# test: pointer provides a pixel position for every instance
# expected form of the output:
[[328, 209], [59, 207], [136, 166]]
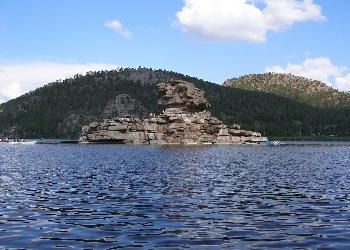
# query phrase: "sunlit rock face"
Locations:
[[185, 119], [183, 95]]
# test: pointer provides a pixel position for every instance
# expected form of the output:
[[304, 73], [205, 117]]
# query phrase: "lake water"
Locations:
[[215, 197]]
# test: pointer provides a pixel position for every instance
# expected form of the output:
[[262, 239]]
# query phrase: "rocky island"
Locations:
[[185, 119]]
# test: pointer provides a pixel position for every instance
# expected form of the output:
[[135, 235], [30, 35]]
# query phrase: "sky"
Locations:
[[45, 40]]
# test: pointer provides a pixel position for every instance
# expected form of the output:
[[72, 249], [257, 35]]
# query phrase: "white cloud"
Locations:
[[343, 82], [250, 20], [119, 28], [9, 91], [21, 77], [321, 69]]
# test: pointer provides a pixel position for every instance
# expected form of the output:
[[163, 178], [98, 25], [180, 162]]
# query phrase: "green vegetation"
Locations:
[[60, 109], [314, 93]]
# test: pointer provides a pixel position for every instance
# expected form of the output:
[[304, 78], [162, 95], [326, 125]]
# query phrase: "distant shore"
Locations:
[[309, 138]]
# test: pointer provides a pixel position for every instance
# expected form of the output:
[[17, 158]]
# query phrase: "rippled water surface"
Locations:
[[70, 196]]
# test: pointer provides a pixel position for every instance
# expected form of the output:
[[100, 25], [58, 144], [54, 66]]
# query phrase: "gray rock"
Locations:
[[184, 120], [174, 94], [124, 106]]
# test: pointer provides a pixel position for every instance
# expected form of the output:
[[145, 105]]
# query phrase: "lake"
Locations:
[[169, 197]]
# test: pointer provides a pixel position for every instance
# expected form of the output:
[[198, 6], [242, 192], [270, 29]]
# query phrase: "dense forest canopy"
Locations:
[[311, 92], [60, 109]]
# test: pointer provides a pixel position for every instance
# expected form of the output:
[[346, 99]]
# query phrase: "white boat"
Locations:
[[275, 143], [22, 143]]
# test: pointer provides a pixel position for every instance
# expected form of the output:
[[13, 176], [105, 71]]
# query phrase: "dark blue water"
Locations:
[[70, 196]]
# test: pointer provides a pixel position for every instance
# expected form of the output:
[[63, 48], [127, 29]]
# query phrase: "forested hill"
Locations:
[[298, 88], [59, 109]]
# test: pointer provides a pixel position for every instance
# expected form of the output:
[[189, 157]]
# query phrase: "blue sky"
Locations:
[[66, 32]]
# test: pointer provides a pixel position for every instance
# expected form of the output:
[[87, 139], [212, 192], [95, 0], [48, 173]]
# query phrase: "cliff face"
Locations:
[[179, 94], [124, 105], [301, 89], [185, 119]]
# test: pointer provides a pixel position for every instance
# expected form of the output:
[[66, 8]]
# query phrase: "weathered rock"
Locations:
[[124, 106], [181, 94], [184, 120]]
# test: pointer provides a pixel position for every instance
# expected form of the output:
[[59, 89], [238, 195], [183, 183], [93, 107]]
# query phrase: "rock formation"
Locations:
[[124, 106], [185, 119]]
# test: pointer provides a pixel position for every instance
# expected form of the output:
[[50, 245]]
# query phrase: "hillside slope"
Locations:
[[59, 109], [298, 88]]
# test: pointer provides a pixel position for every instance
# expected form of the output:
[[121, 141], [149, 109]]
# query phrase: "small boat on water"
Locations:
[[4, 140], [275, 143], [16, 141], [22, 143]]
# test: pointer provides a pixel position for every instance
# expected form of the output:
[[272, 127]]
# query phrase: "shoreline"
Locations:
[[310, 138]]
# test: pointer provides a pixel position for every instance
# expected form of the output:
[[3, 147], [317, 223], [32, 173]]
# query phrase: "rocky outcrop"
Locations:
[[124, 106], [179, 94], [185, 119]]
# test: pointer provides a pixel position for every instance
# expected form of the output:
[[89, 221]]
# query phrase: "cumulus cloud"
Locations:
[[343, 82], [9, 91], [250, 20], [21, 77], [119, 28], [321, 69]]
